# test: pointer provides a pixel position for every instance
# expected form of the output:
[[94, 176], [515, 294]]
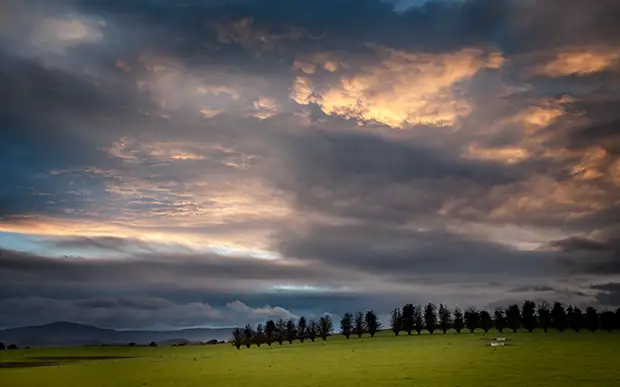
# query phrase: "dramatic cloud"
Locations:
[[582, 61], [405, 88], [221, 162]]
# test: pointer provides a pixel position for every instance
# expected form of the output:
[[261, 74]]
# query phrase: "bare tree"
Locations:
[[280, 331], [237, 339], [312, 330], [396, 321], [301, 328]]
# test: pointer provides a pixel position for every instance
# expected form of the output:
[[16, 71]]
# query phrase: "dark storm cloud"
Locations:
[[576, 244], [176, 291], [591, 256], [407, 254], [148, 268], [186, 289], [553, 23], [43, 114], [609, 294], [359, 176], [538, 288], [605, 133], [516, 26]]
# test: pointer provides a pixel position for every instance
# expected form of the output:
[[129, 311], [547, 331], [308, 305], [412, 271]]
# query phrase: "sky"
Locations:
[[183, 163]]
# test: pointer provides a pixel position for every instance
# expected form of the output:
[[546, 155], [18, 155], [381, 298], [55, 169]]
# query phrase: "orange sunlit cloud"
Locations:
[[581, 61], [406, 88]]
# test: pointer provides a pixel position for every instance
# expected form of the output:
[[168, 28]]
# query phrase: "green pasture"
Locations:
[[529, 359]]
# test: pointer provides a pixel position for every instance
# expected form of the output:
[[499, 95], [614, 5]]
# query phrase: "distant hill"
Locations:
[[63, 333]]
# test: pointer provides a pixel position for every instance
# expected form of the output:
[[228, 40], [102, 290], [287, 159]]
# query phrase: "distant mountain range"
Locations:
[[63, 333]]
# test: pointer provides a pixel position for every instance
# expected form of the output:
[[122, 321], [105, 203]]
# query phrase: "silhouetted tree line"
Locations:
[[528, 316], [283, 330], [431, 318]]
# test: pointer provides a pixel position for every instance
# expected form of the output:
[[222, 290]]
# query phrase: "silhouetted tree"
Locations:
[[472, 319], [575, 318], [396, 321], [132, 344], [607, 321], [408, 318], [3, 347], [259, 335], [346, 325], [528, 315], [280, 331], [499, 319], [459, 322], [430, 317], [291, 331], [248, 335], [151, 344], [325, 326], [418, 319], [371, 322], [237, 339], [486, 322], [617, 319], [301, 328], [358, 324], [513, 317], [445, 318], [270, 332], [544, 316], [592, 322], [313, 330], [558, 315], [12, 347]]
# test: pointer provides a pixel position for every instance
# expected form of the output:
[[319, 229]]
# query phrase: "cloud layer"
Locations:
[[214, 163]]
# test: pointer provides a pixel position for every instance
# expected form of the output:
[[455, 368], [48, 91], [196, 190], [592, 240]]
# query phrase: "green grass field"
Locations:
[[530, 359]]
